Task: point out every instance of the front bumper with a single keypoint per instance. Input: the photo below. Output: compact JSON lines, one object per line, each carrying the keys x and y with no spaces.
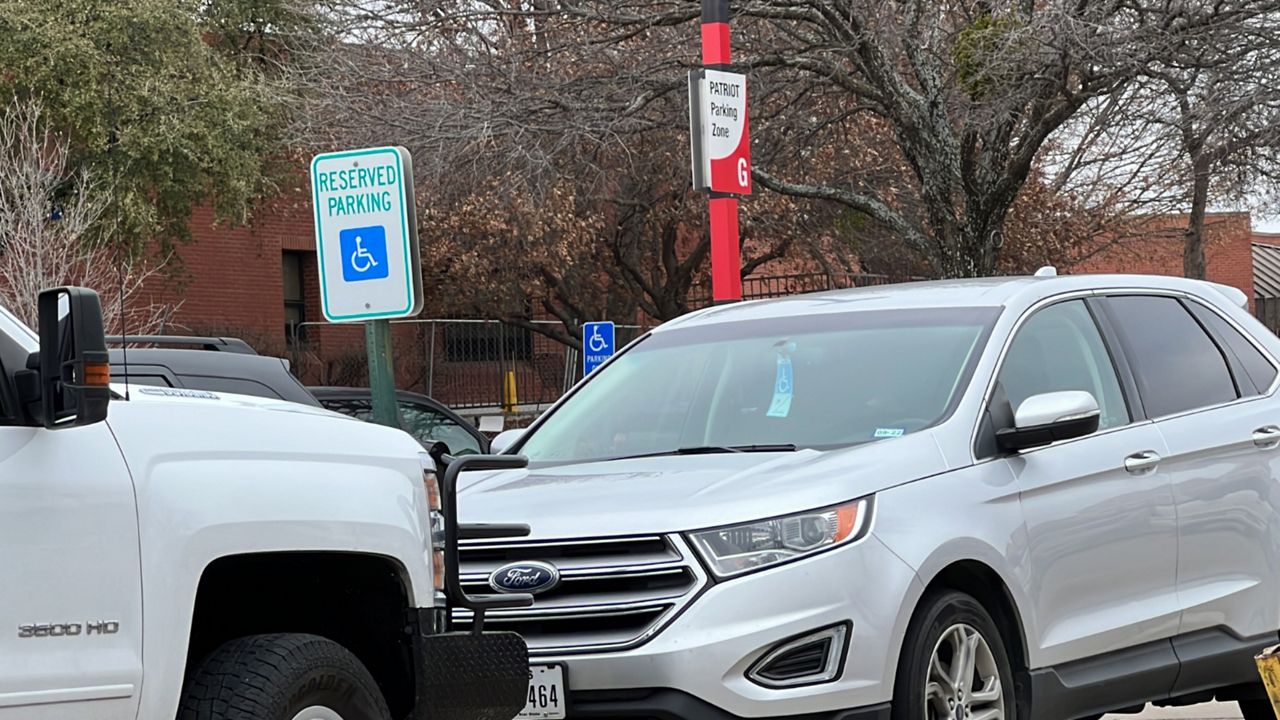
{"x":705,"y":653}
{"x":675,"y":705}
{"x":464,"y":676}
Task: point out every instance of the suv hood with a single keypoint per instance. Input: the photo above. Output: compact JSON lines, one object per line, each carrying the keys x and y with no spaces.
{"x":681,"y":493}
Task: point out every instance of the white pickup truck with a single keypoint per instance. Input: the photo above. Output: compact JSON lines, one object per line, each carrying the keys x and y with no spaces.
{"x":204,"y":556}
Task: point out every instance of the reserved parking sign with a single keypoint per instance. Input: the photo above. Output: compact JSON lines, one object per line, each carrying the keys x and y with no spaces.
{"x":366,"y":234}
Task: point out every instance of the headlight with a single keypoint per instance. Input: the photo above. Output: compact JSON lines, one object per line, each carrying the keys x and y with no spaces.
{"x":743,"y":548}
{"x":435,"y":509}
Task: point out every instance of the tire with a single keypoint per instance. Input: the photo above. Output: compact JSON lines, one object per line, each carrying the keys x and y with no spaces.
{"x":281,"y":677}
{"x":944,"y":621}
{"x":1256,"y":709}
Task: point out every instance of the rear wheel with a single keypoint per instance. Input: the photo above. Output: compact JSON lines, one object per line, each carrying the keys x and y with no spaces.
{"x":954,"y":665}
{"x":281,"y":677}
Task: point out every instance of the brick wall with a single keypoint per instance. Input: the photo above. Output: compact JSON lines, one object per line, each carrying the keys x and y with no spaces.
{"x":1156,"y":249}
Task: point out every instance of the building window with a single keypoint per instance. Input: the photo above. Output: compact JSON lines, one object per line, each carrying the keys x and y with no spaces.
{"x":295,"y":302}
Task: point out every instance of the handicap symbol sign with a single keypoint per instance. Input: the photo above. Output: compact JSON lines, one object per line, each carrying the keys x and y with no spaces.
{"x":597,"y":345}
{"x":364,"y":253}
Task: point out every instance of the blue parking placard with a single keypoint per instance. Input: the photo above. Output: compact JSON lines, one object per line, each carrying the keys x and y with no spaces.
{"x":597,"y":345}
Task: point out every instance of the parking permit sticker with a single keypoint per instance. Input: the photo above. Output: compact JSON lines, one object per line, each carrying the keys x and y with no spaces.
{"x":888,"y":432}
{"x":782,"y":385}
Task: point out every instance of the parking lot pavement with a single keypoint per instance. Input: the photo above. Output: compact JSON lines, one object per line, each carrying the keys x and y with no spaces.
{"x":1207,"y":711}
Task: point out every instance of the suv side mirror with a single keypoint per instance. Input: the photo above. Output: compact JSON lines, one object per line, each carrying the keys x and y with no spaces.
{"x":74,"y":368}
{"x":504,"y":440}
{"x":1049,"y":417}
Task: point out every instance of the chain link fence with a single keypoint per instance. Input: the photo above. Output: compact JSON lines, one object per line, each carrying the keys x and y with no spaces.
{"x":462,"y":363}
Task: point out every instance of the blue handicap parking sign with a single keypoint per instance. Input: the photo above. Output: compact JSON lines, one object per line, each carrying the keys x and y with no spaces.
{"x":364,"y":253}
{"x":597,"y":345}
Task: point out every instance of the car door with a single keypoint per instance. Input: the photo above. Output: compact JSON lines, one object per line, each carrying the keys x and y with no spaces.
{"x":1101,"y":529}
{"x":71,"y":638}
{"x":1209,"y":389}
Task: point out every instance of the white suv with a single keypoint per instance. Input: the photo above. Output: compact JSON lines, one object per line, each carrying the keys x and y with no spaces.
{"x":1046,"y":497}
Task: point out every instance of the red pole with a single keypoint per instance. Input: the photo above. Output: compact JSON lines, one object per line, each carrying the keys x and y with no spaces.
{"x":726,"y":261}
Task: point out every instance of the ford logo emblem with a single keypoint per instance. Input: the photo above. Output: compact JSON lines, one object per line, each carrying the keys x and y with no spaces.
{"x":527,"y":577}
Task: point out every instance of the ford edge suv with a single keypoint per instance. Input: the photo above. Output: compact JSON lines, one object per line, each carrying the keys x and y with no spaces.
{"x":1047,"y":497}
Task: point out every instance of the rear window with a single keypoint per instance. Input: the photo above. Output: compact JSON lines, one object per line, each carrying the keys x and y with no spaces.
{"x":1178,"y":366}
{"x":1257,"y":367}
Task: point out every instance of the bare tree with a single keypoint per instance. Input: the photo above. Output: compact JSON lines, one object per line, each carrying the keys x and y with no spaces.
{"x":1226,"y":122}
{"x":48,"y":212}
{"x":962,"y":95}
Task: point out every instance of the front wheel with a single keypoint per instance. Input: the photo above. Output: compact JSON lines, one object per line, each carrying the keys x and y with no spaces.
{"x":281,"y":677}
{"x":954,"y":665}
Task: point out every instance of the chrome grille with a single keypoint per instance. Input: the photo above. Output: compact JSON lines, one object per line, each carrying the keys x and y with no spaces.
{"x":613,"y":593}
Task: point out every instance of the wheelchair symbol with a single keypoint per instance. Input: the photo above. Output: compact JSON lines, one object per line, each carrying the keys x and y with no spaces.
{"x":362,"y":260}
{"x":597,"y":343}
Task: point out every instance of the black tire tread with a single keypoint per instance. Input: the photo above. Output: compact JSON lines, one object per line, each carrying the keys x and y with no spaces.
{"x":929,"y":609}
{"x":248,"y":678}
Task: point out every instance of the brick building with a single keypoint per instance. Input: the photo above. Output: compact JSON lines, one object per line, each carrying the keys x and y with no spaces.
{"x":259,"y":282}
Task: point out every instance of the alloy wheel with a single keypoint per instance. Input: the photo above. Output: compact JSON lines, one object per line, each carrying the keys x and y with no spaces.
{"x":964,"y":679}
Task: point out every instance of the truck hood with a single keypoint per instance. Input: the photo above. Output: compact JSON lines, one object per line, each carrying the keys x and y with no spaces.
{"x":680,"y":493}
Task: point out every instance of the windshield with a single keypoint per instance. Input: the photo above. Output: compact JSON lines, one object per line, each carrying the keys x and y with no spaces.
{"x":813,"y":382}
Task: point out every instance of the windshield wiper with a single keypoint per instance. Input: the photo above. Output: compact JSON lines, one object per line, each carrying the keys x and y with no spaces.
{"x":716,"y":449}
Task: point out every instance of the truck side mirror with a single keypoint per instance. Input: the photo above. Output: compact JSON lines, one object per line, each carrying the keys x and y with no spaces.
{"x":74,"y":368}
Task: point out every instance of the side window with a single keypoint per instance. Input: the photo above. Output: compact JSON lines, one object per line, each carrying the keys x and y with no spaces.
{"x":429,"y":426}
{"x":1177,"y":365}
{"x":1060,"y":348}
{"x":1256,"y":365}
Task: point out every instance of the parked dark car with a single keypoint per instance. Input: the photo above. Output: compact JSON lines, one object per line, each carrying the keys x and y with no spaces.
{"x":230,"y":365}
{"x":205,"y":363}
{"x":420,"y":416}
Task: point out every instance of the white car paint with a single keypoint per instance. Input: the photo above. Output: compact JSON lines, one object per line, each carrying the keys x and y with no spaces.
{"x":115,"y":522}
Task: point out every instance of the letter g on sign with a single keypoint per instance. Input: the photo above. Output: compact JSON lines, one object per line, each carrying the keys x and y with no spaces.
{"x":744,"y":174}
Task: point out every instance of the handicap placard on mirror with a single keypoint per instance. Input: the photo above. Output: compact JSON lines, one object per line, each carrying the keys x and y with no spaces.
{"x":366,"y":234}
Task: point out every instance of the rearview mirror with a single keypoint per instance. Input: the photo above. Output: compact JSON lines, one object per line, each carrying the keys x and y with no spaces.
{"x":74,"y":368}
{"x":504,"y":440}
{"x":1048,"y":418}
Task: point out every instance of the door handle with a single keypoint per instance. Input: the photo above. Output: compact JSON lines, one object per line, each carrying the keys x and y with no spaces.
{"x":1142,"y":462}
{"x":1267,"y":437}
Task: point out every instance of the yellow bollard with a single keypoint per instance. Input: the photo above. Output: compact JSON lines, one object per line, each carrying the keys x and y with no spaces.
{"x":509,"y":392}
{"x":1269,"y":668}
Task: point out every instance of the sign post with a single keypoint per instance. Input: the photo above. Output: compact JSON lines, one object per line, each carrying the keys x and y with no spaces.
{"x":597,"y":345}
{"x":720,"y":140}
{"x":367,"y":253}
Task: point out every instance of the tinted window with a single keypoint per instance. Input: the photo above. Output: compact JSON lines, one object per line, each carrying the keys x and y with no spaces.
{"x":1059,"y":348}
{"x":1178,"y":367}
{"x":1256,"y":365}
{"x":238,"y":386}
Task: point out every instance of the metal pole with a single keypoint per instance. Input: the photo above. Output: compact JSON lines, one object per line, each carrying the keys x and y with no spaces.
{"x":726,"y":261}
{"x":382,"y":380}
{"x":431,"y":365}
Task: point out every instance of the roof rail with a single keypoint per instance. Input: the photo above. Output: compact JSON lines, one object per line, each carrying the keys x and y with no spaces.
{"x":217,"y":344}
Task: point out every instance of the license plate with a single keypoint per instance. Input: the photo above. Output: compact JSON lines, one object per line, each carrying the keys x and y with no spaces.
{"x":546,"y":700}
